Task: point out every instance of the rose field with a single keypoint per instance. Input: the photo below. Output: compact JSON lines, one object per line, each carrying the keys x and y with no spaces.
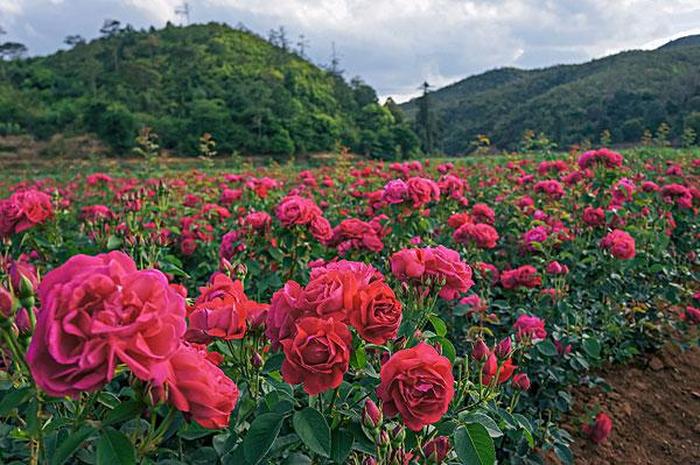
{"x":443,"y":311}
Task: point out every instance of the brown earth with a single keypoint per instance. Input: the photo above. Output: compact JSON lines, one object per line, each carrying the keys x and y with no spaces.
{"x":654,"y":404}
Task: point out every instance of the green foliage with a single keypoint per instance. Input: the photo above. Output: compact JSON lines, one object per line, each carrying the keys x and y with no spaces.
{"x":625,"y":93}
{"x":252,"y":96}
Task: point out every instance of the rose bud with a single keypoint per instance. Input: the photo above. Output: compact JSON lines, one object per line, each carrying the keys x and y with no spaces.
{"x":521,"y":382}
{"x":369,"y":460}
{"x":601,"y":428}
{"x":398,"y":435}
{"x":371,"y":415}
{"x":22,"y":321}
{"x":480,"y":350}
{"x":256,"y":360}
{"x":503,"y":348}
{"x":384,"y":440}
{"x":436,"y":450}
{"x":7,"y":303}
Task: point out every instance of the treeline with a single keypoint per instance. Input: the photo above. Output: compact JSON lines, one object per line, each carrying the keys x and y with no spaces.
{"x":254,"y":96}
{"x":624,"y":98}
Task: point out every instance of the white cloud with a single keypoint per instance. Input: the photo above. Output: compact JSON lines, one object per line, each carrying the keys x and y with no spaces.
{"x":394,"y":44}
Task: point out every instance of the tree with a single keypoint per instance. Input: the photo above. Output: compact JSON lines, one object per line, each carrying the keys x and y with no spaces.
{"x":12,"y":51}
{"x":74,"y":40}
{"x":110,"y":27}
{"x":425,"y":121}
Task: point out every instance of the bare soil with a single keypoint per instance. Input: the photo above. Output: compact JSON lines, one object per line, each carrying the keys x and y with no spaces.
{"x":654,"y":404}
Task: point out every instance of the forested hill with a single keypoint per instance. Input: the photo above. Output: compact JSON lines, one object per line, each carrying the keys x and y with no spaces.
{"x":253,"y":96}
{"x":624,"y":93}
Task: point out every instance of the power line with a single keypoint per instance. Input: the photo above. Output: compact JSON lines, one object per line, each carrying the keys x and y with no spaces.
{"x":183,"y":12}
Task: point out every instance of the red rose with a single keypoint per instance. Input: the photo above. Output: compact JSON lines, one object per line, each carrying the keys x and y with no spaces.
{"x":601,"y":428}
{"x":377,"y":314}
{"x":491,"y":368}
{"x":530,"y":326}
{"x":220,"y":311}
{"x":422,"y":191}
{"x":23,"y":210}
{"x":318,"y":355}
{"x":418,"y":384}
{"x":620,"y":244}
{"x":284,"y":310}
{"x":198,"y":387}
{"x":483,"y":235}
{"x":594,"y":216}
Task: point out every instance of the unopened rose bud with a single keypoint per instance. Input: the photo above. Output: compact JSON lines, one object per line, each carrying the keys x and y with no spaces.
{"x":371,"y":415}
{"x":436,"y":450}
{"x":480,"y":350}
{"x":256,"y":360}
{"x":384,"y":440}
{"x":503,"y":348}
{"x":7,"y":303}
{"x":369,"y":460}
{"x":398,"y":435}
{"x":521,"y":382}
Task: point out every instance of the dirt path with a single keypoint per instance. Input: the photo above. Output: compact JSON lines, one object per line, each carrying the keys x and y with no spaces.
{"x":655,"y":408}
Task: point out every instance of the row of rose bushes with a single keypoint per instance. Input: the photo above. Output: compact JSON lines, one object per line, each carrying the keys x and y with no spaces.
{"x":367,"y":314}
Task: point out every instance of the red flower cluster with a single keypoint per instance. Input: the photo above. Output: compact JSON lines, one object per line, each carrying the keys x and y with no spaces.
{"x":23,"y":210}
{"x":310,"y":323}
{"x":620,"y":244}
{"x":441,"y":265}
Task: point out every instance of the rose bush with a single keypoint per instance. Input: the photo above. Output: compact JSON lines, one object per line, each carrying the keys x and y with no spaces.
{"x":364,"y":313}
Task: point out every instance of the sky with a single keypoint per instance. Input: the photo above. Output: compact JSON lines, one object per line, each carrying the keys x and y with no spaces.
{"x":394,"y":45}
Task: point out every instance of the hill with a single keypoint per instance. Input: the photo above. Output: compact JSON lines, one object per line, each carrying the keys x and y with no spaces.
{"x":625,"y":93}
{"x":253,"y":96}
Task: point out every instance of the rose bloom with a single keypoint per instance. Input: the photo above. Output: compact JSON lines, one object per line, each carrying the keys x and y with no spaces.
{"x":220,"y":311}
{"x":376,"y":315}
{"x":552,"y":188}
{"x":482,"y":213}
{"x":491,"y":368}
{"x":7,"y":303}
{"x":320,"y":228}
{"x":620,"y":244}
{"x":258,"y":220}
{"x":601,"y":428}
{"x":422,"y":191}
{"x":418,"y":384}
{"x":395,"y":191}
{"x":483,"y":235}
{"x":524,"y":276}
{"x":529,"y":326}
{"x":97,"y":312}
{"x":594,"y":216}
{"x":295,"y":209}
{"x":285,"y":308}
{"x":318,"y":355}
{"x":439,"y":263}
{"x":23,"y":210}
{"x":458,"y":219}
{"x":198,"y":388}
{"x":534,"y":235}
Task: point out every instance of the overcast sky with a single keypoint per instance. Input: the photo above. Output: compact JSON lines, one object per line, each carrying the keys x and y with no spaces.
{"x":393,"y":44}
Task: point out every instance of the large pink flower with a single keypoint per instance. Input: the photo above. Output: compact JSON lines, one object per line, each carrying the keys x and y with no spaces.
{"x":97,"y":312}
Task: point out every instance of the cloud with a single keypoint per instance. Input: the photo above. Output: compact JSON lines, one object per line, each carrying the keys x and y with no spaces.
{"x":393,"y":44}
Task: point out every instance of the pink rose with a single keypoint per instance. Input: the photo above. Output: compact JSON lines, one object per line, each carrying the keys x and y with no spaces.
{"x":97,"y":312}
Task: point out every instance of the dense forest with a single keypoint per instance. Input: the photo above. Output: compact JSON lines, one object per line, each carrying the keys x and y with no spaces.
{"x":622,"y":96}
{"x":253,"y":95}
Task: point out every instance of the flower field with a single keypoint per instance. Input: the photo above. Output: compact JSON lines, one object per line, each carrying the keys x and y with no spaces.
{"x":421,"y":312}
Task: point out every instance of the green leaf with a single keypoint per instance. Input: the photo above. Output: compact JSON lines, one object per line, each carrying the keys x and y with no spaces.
{"x":114,"y":448}
{"x":114,"y":242}
{"x":274,"y":363}
{"x":592,"y":347}
{"x":485,"y":421}
{"x":13,"y":399}
{"x":474,"y":446}
{"x":439,"y":325}
{"x":547,"y":348}
{"x":358,"y":358}
{"x":341,"y":444}
{"x":448,"y":349}
{"x":70,"y":445}
{"x":313,"y":430}
{"x":124,"y":411}
{"x":262,"y":433}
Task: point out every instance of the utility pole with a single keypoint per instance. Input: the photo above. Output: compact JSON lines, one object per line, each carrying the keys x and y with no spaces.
{"x":183,"y":12}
